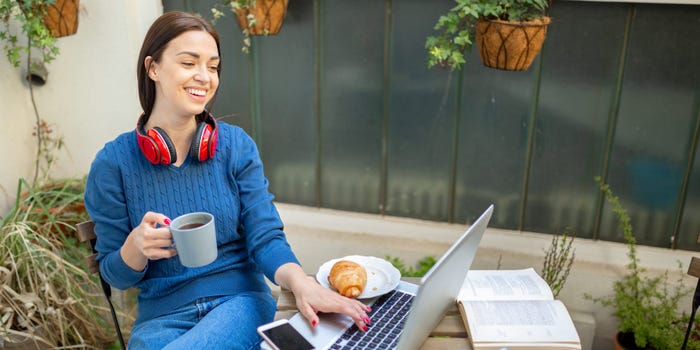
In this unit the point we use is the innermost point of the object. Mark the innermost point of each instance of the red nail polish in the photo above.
(314, 323)
(364, 328)
(167, 221)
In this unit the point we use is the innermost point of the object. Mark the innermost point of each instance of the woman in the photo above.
(180, 160)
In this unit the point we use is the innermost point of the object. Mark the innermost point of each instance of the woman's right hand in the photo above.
(150, 240)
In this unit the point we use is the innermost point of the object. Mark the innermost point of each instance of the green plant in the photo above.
(646, 306)
(47, 296)
(456, 27)
(421, 268)
(558, 259)
(28, 15)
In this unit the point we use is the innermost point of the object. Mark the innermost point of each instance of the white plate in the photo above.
(382, 276)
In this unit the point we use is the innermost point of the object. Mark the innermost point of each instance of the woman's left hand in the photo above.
(311, 297)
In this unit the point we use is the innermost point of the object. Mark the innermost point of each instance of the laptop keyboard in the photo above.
(388, 316)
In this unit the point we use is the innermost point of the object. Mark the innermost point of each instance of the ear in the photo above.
(151, 67)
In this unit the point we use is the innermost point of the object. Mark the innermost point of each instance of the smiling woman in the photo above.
(179, 160)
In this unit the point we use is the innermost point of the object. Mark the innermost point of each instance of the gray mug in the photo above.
(195, 238)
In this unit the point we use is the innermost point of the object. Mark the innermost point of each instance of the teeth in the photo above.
(197, 92)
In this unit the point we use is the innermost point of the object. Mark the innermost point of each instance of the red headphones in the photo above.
(157, 147)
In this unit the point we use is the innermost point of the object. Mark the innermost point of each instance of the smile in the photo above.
(196, 92)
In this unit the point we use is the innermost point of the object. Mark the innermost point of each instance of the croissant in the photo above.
(348, 278)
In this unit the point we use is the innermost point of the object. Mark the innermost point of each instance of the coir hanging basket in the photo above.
(62, 17)
(269, 16)
(510, 45)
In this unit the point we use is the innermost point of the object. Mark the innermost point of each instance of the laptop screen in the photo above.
(440, 286)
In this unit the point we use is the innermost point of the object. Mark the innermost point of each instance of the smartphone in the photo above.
(280, 335)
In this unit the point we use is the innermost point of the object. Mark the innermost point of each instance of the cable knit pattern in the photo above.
(122, 186)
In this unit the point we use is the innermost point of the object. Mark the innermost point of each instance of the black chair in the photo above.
(86, 233)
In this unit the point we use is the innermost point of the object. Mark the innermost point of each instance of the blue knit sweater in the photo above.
(123, 185)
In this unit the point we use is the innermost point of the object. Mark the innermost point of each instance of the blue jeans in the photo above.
(228, 322)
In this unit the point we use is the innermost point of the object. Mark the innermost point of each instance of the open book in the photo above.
(514, 309)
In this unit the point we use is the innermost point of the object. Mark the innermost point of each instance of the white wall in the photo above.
(90, 94)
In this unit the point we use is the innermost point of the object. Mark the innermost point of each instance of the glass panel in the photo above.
(689, 233)
(576, 96)
(492, 141)
(422, 117)
(351, 103)
(656, 117)
(687, 49)
(288, 127)
(180, 5)
(232, 102)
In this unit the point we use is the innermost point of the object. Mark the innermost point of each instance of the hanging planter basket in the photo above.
(510, 45)
(269, 16)
(62, 17)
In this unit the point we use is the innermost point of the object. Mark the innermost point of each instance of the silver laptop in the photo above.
(428, 302)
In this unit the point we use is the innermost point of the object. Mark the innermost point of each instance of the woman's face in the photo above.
(186, 76)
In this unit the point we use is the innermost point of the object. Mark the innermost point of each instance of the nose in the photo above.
(202, 75)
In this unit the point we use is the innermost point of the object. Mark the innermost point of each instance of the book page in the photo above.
(519, 321)
(523, 284)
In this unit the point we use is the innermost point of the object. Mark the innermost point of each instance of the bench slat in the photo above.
(694, 268)
(86, 231)
(92, 265)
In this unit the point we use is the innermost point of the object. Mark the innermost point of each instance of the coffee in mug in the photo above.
(190, 226)
(195, 238)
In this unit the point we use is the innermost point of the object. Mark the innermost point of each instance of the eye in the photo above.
(188, 64)
(213, 69)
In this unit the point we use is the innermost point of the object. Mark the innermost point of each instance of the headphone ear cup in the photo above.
(199, 150)
(149, 148)
(213, 141)
(165, 146)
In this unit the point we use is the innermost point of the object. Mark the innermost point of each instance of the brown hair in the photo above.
(167, 27)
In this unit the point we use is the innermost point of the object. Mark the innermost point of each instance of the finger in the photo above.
(309, 314)
(153, 219)
(158, 244)
(361, 325)
(360, 317)
(365, 307)
(362, 306)
(364, 316)
(355, 308)
(162, 233)
(159, 253)
(356, 311)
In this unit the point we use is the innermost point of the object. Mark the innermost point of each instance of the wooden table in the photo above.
(449, 334)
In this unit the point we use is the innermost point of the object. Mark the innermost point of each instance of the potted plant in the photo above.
(61, 17)
(509, 33)
(255, 17)
(646, 306)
